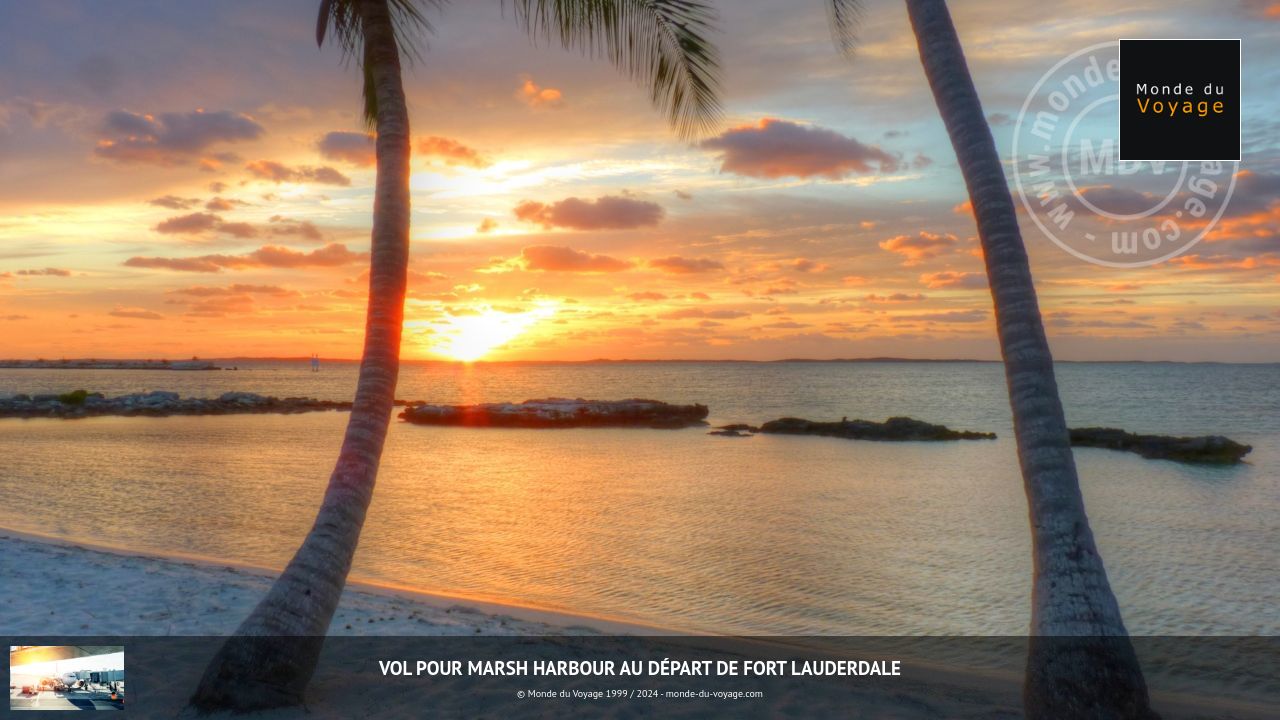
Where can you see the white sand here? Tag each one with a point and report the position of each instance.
(58, 587)
(52, 587)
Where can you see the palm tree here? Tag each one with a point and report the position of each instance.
(1080, 662)
(659, 43)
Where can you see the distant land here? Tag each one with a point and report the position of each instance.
(637, 361)
(96, 364)
(224, 363)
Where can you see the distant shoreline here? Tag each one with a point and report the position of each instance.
(95, 364)
(221, 362)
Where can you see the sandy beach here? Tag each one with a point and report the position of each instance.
(58, 587)
(63, 583)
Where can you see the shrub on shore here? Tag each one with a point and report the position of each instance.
(75, 397)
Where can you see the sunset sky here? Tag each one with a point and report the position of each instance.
(192, 178)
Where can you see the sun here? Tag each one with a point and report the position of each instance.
(471, 336)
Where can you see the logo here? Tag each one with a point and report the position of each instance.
(1180, 99)
(1077, 190)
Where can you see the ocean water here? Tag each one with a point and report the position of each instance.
(764, 535)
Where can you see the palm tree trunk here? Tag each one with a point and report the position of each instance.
(1080, 661)
(271, 658)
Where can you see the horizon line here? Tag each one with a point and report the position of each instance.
(868, 359)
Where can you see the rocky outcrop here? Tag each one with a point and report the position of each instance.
(80, 404)
(1213, 449)
(735, 430)
(561, 413)
(893, 429)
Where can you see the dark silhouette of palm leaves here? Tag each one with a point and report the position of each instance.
(845, 16)
(343, 16)
(661, 44)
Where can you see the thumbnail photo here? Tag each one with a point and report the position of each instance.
(66, 677)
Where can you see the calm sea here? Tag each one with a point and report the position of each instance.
(763, 535)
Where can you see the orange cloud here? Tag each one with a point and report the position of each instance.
(274, 256)
(136, 314)
(805, 265)
(49, 271)
(685, 266)
(554, 258)
(233, 290)
(647, 296)
(686, 313)
(539, 97)
(1224, 262)
(218, 204)
(197, 223)
(350, 147)
(951, 316)
(305, 229)
(895, 297)
(778, 148)
(278, 173)
(1119, 200)
(189, 224)
(611, 212)
(950, 279)
(173, 202)
(921, 246)
(451, 152)
(171, 138)
(1253, 211)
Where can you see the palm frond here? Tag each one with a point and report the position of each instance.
(661, 44)
(322, 21)
(343, 17)
(845, 15)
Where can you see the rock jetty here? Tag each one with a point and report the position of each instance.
(735, 430)
(159, 403)
(1210, 449)
(561, 413)
(894, 429)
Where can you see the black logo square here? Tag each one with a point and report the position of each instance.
(1180, 100)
